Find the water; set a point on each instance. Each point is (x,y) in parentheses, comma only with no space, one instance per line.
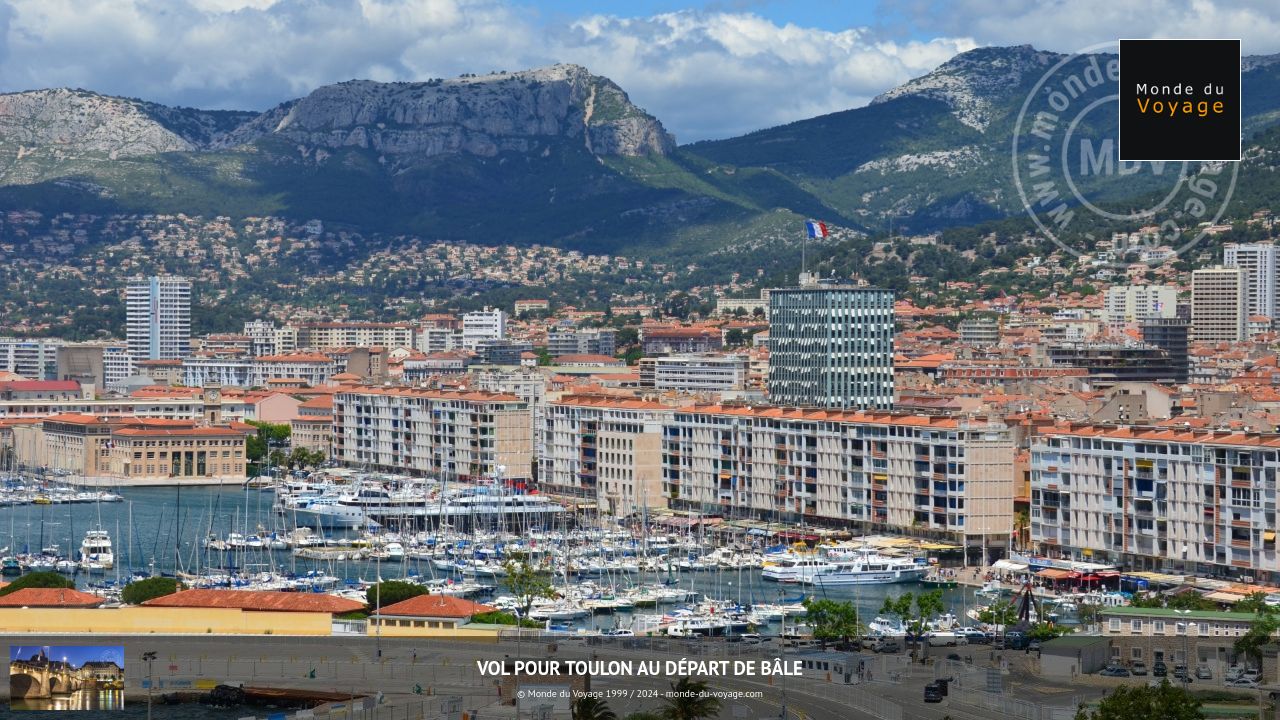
(164,528)
(78,700)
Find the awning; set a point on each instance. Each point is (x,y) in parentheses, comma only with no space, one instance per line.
(1268,536)
(757,531)
(1054,574)
(1008,565)
(1224,597)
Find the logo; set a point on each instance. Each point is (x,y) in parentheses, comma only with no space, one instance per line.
(1070,179)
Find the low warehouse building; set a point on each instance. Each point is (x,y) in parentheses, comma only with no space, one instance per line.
(1072,655)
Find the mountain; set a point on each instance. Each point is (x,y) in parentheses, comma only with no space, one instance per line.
(556,156)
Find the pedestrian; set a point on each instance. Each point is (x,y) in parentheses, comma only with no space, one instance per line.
(415,656)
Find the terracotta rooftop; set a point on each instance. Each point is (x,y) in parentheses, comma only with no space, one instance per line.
(257,600)
(49,597)
(40,386)
(436,606)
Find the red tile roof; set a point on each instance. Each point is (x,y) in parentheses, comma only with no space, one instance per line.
(49,597)
(40,386)
(257,600)
(436,606)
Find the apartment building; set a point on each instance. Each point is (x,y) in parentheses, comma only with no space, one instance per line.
(486,324)
(312,428)
(591,341)
(1174,499)
(1259,262)
(980,331)
(1126,304)
(313,369)
(878,471)
(675,340)
(707,372)
(159,318)
(474,436)
(33,359)
(605,451)
(1219,304)
(354,334)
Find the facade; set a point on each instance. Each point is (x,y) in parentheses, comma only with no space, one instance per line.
(97,364)
(1111,363)
(33,359)
(530,386)
(531,306)
(354,334)
(313,369)
(831,346)
(605,451)
(1172,335)
(438,339)
(1182,500)
(502,352)
(312,427)
(1259,261)
(695,373)
(1219,304)
(877,471)
(582,342)
(674,340)
(1126,304)
(1161,634)
(486,324)
(456,435)
(980,331)
(159,318)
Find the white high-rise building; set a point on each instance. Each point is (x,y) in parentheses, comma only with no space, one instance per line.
(1218,306)
(159,318)
(486,324)
(1259,261)
(1125,304)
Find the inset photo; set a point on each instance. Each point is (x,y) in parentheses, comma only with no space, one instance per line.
(66,677)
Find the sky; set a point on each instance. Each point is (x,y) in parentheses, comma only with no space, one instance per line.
(706,68)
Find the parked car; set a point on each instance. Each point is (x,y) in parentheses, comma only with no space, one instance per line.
(1113,671)
(974,636)
(1203,672)
(1233,672)
(1252,675)
(1180,672)
(1159,669)
(887,645)
(932,693)
(946,639)
(1241,682)
(1137,667)
(1034,646)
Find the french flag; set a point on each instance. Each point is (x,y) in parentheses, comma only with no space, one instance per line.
(816,229)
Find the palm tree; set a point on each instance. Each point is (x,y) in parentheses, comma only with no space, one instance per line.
(591,708)
(689,700)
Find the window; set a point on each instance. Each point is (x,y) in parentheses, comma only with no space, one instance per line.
(1135,625)
(1136,653)
(1159,627)
(1114,625)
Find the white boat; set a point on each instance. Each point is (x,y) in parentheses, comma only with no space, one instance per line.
(790,569)
(95,551)
(867,568)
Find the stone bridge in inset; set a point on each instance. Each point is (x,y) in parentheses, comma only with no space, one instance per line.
(43,679)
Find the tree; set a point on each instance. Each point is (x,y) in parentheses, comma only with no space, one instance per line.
(588,707)
(273,433)
(689,700)
(1167,702)
(1255,603)
(1264,626)
(526,581)
(140,591)
(735,337)
(38,580)
(390,592)
(927,604)
(1191,601)
(831,620)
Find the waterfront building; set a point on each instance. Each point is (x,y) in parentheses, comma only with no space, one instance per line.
(831,346)
(1259,262)
(1167,499)
(605,451)
(312,427)
(874,471)
(1219,304)
(486,324)
(591,341)
(470,435)
(159,318)
(706,372)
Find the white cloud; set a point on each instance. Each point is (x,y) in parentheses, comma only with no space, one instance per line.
(704,74)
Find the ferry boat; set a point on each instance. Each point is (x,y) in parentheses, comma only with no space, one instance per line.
(95,551)
(868,568)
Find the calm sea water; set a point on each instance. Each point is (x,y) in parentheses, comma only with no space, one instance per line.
(163,528)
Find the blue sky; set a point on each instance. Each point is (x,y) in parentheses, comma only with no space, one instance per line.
(707,69)
(77,655)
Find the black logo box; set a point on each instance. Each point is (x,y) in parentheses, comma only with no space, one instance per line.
(1187,69)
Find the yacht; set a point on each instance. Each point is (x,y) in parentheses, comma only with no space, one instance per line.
(792,569)
(869,568)
(95,551)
